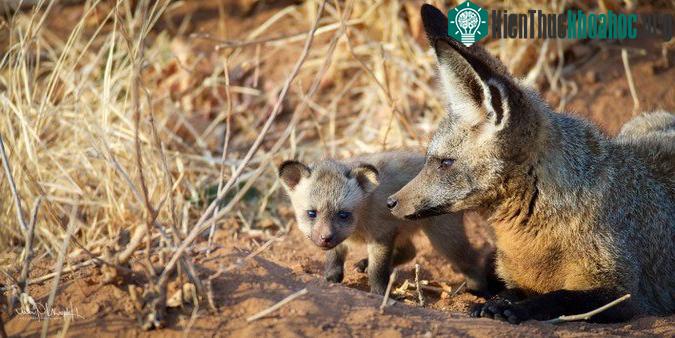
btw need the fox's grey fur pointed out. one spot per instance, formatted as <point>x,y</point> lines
<point>360,187</point>
<point>580,219</point>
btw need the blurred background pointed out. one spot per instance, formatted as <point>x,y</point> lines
<point>119,114</point>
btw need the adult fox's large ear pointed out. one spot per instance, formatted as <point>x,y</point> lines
<point>474,83</point>
<point>291,172</point>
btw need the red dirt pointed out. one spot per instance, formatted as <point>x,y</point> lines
<point>328,309</point>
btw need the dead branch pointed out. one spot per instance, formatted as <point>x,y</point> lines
<point>408,286</point>
<point>12,186</point>
<point>28,252</point>
<point>587,315</point>
<point>241,261</point>
<point>137,60</point>
<point>165,168</point>
<point>209,296</point>
<point>276,306</point>
<point>385,299</point>
<point>28,230</point>
<point>226,141</point>
<point>459,288</point>
<point>417,284</point>
<point>186,264</point>
<point>59,268</point>
<point>629,78</point>
<point>65,270</point>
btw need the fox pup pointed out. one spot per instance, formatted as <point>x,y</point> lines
<point>338,202</point>
<point>579,219</point>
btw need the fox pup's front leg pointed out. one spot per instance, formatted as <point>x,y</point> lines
<point>335,261</point>
<point>380,261</point>
<point>403,253</point>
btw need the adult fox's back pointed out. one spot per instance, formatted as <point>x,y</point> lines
<point>652,136</point>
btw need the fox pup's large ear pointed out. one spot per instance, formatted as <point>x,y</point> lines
<point>474,83</point>
<point>291,172</point>
<point>366,176</point>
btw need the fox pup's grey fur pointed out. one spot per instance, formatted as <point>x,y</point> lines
<point>580,219</point>
<point>336,202</point>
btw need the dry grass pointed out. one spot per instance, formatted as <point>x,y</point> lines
<point>137,124</point>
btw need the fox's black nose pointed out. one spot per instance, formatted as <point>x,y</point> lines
<point>391,202</point>
<point>326,238</point>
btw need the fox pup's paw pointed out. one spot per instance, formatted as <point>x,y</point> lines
<point>500,309</point>
<point>335,275</point>
<point>362,265</point>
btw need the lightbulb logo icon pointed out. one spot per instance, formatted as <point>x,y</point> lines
<point>467,23</point>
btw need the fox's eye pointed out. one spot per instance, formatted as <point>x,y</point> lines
<point>446,163</point>
<point>311,214</point>
<point>344,214</point>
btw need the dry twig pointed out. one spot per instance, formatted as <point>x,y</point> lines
<point>276,306</point>
<point>459,288</point>
<point>226,143</point>
<point>588,315</point>
<point>28,252</point>
<point>195,311</point>
<point>385,299</point>
<point>12,186</point>
<point>28,230</point>
<point>629,78</point>
<point>59,269</point>
<point>417,284</point>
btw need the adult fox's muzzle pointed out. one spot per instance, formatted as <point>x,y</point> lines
<point>404,203</point>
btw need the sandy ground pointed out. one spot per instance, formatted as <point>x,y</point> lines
<point>328,309</point>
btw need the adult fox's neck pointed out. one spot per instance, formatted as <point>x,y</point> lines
<point>566,173</point>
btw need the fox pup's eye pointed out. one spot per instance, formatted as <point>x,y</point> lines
<point>344,214</point>
<point>311,213</point>
<point>446,163</point>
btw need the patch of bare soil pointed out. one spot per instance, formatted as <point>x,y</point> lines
<point>603,94</point>
<point>327,309</point>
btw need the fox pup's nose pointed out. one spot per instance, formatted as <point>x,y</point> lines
<point>326,238</point>
<point>391,202</point>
